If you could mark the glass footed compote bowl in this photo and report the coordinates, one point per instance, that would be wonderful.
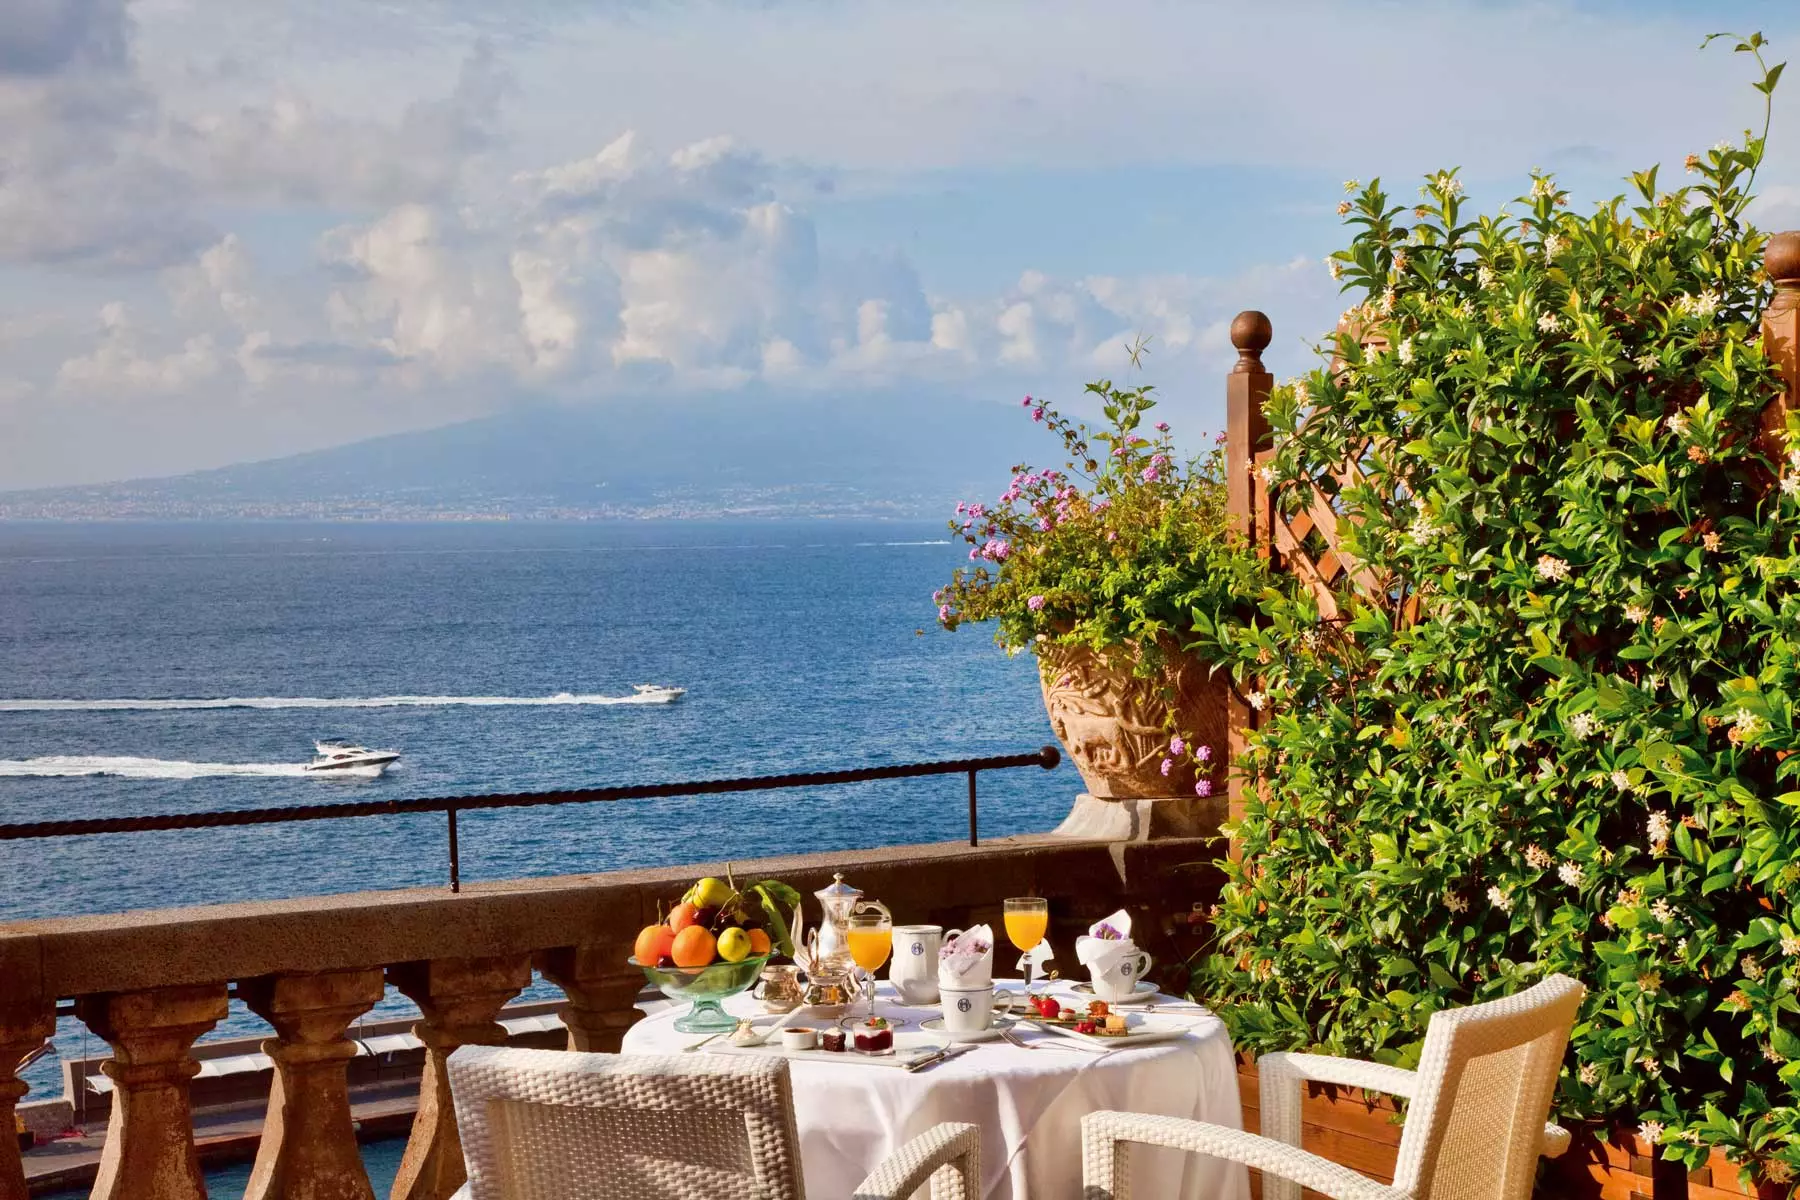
(706, 987)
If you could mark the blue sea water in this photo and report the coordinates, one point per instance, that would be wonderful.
(802, 646)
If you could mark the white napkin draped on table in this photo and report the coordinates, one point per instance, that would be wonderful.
(1028, 1103)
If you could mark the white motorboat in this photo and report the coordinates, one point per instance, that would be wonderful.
(656, 693)
(348, 759)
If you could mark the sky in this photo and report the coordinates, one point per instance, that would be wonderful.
(238, 229)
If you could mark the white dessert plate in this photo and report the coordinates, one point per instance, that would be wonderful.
(1141, 1029)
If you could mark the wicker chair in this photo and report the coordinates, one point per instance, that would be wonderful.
(555, 1125)
(1474, 1129)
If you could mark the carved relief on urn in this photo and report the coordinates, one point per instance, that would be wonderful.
(1113, 723)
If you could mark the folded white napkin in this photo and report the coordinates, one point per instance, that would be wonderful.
(1037, 956)
(1105, 939)
(967, 958)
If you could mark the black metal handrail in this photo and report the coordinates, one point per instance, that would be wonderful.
(1047, 758)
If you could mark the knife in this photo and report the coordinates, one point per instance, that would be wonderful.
(936, 1057)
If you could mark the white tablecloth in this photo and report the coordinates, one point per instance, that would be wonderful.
(1028, 1103)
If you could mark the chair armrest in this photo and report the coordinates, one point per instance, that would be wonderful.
(1106, 1175)
(1345, 1072)
(948, 1154)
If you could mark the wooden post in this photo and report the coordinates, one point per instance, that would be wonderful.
(1781, 338)
(1246, 433)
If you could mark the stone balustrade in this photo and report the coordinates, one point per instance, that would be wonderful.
(151, 983)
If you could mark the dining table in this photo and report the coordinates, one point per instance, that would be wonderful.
(1027, 1099)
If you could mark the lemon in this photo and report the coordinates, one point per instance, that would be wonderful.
(710, 893)
(734, 945)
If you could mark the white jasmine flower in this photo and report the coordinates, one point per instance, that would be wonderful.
(1542, 187)
(1399, 262)
(1554, 245)
(1335, 267)
(1500, 900)
(1455, 903)
(1485, 277)
(1647, 362)
(1424, 529)
(1583, 725)
(1660, 909)
(1747, 723)
(1637, 613)
(1790, 485)
(1548, 323)
(1256, 700)
(1651, 1131)
(1677, 424)
(1590, 1074)
(1406, 351)
(1570, 873)
(1302, 392)
(1650, 1067)
(1777, 1170)
(1773, 1055)
(1790, 945)
(1551, 568)
(1721, 147)
(1448, 184)
(1536, 856)
(1752, 969)
(1650, 981)
(1620, 780)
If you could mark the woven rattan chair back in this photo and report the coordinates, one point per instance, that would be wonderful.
(554, 1125)
(1486, 1078)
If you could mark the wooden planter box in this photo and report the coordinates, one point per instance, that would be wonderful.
(1362, 1131)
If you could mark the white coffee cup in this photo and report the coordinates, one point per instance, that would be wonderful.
(970, 1010)
(914, 966)
(1115, 978)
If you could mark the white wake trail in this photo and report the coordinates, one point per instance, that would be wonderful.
(561, 698)
(67, 765)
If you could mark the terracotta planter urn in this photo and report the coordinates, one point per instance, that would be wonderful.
(1113, 724)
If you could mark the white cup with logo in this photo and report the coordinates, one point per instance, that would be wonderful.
(1115, 977)
(970, 1010)
(914, 966)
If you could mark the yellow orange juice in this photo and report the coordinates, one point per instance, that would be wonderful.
(1026, 929)
(870, 947)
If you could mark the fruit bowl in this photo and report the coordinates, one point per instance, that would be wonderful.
(706, 987)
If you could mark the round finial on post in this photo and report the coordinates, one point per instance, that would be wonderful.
(1781, 259)
(1251, 333)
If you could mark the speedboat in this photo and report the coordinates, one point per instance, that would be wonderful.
(350, 759)
(655, 693)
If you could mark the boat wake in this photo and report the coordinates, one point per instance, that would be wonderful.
(658, 696)
(69, 765)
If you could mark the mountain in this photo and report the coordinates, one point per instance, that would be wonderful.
(749, 454)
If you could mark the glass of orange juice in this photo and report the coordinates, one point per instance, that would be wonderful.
(870, 939)
(1027, 920)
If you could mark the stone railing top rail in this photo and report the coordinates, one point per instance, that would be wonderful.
(74, 956)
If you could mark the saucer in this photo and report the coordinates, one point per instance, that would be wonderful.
(1142, 992)
(935, 1026)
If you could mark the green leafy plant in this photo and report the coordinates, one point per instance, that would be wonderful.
(1554, 731)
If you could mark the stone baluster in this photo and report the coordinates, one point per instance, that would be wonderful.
(460, 999)
(23, 1028)
(149, 1152)
(308, 1149)
(602, 989)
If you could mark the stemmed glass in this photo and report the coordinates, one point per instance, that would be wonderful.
(870, 937)
(1027, 920)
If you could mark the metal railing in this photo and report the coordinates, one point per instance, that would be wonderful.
(1047, 758)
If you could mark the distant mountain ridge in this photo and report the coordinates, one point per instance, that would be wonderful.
(760, 454)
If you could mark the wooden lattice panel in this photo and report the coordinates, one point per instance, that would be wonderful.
(1292, 537)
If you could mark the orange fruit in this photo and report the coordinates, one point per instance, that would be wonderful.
(683, 915)
(653, 943)
(694, 947)
(759, 942)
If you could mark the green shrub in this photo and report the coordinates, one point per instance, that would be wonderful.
(1574, 754)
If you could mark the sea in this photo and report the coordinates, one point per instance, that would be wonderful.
(189, 667)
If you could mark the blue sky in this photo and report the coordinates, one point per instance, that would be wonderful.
(237, 230)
